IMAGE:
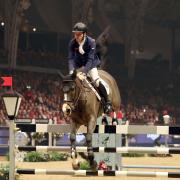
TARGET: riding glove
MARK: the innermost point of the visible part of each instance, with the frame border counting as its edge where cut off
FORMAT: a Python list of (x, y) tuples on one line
[(81, 75)]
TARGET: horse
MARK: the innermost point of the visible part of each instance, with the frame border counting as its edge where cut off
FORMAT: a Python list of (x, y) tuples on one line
[(82, 106)]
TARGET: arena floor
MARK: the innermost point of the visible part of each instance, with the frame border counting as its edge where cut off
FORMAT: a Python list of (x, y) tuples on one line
[(162, 161)]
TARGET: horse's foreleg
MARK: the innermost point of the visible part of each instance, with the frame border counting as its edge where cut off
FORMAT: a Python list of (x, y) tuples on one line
[(89, 146), (75, 162), (90, 129), (73, 145)]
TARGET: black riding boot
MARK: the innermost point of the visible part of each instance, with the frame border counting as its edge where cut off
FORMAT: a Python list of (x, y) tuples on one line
[(106, 102)]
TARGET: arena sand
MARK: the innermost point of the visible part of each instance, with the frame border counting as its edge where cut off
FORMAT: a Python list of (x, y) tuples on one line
[(66, 165)]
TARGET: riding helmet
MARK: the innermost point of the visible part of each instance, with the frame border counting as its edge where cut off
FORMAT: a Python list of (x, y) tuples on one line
[(80, 27)]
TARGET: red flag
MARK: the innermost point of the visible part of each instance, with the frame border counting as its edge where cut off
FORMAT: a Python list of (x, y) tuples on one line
[(6, 81)]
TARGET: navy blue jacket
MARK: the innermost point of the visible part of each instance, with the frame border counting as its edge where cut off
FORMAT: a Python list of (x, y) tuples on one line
[(89, 59)]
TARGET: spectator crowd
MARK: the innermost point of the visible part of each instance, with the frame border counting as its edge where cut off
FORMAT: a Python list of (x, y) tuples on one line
[(42, 100)]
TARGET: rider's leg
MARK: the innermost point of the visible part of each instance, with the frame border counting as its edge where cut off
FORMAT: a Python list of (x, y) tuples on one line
[(103, 93), (95, 77)]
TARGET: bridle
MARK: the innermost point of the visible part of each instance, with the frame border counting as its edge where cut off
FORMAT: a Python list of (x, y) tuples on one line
[(76, 88)]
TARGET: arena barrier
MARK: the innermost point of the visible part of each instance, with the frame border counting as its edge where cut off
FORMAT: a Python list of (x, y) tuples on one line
[(98, 173), (119, 129)]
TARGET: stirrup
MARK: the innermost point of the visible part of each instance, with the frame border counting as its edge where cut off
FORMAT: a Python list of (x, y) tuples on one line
[(108, 108)]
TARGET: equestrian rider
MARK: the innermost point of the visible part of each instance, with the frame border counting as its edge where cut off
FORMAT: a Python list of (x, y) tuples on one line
[(82, 54)]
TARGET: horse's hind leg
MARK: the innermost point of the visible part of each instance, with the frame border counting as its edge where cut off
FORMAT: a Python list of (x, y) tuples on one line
[(90, 129), (75, 162)]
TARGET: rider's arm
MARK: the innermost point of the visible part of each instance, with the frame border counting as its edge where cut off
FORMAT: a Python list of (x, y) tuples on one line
[(90, 56)]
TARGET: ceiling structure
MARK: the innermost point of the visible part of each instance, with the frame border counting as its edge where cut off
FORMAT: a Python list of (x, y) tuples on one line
[(57, 15), (127, 21)]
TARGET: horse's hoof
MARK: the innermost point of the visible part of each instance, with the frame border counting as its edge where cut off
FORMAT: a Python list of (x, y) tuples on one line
[(76, 166), (93, 165)]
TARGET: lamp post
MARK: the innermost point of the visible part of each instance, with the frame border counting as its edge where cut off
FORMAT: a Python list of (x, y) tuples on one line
[(12, 101)]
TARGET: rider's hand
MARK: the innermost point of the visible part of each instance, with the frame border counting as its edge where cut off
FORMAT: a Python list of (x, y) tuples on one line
[(71, 72), (81, 75)]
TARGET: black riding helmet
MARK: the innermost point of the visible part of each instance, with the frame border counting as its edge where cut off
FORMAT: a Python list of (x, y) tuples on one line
[(80, 27)]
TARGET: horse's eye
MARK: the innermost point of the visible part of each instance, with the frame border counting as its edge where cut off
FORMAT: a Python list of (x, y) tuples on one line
[(65, 89)]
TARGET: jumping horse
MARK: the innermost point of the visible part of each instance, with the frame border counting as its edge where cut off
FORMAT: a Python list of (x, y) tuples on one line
[(83, 107)]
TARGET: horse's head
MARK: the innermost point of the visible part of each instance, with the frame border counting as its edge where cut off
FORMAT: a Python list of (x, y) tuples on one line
[(69, 94)]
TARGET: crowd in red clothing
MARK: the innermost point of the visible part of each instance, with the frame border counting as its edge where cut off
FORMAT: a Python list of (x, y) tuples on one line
[(41, 96), (42, 100)]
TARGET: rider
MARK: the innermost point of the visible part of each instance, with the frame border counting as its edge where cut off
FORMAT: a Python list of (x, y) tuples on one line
[(82, 54)]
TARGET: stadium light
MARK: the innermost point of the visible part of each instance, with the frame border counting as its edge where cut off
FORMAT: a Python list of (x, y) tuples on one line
[(34, 29), (2, 23)]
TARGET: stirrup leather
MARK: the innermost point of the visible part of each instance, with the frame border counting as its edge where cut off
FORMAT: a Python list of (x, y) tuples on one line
[(93, 89)]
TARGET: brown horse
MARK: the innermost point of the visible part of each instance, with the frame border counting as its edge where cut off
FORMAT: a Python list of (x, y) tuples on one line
[(83, 107)]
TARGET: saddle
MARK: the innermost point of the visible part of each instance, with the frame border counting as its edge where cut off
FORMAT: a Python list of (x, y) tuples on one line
[(101, 92), (93, 87)]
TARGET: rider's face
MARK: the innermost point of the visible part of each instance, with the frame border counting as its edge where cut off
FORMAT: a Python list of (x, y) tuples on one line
[(79, 36)]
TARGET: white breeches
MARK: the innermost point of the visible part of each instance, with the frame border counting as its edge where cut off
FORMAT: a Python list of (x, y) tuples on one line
[(93, 73)]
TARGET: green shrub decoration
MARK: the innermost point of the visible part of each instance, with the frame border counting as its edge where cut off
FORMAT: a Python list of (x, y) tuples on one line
[(84, 165), (159, 155), (133, 155), (4, 173), (55, 156), (36, 157), (44, 157)]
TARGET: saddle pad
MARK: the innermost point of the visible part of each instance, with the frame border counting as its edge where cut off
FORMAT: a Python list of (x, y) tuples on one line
[(106, 85)]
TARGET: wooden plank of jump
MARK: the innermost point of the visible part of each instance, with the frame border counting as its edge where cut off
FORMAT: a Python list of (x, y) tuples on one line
[(155, 150), (119, 129), (98, 173)]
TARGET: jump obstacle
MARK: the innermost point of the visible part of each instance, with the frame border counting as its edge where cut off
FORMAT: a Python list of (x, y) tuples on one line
[(119, 129), (121, 150), (97, 173), (101, 129)]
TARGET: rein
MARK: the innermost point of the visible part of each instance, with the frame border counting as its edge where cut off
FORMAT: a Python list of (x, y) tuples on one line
[(81, 87)]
